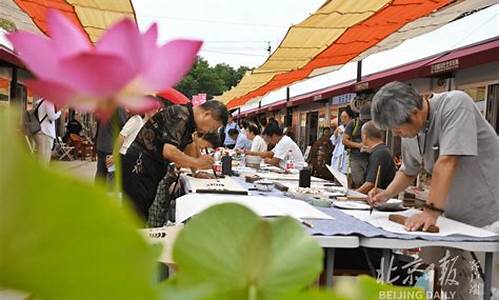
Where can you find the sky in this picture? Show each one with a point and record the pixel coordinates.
(235, 32)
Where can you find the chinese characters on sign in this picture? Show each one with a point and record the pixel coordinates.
(343, 99)
(445, 66)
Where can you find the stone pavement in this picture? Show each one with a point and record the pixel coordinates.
(83, 169)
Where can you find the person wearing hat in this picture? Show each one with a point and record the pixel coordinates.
(358, 159)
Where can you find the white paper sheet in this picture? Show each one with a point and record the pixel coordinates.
(446, 226)
(226, 183)
(192, 204)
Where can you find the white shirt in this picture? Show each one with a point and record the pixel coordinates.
(282, 149)
(258, 144)
(48, 125)
(339, 155)
(130, 131)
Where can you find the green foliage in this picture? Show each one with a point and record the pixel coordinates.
(210, 80)
(245, 256)
(61, 239)
(7, 25)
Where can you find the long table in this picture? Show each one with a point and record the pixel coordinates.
(348, 232)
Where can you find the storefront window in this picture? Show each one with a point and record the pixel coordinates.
(477, 93)
(25, 96)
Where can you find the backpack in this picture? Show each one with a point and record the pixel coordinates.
(31, 122)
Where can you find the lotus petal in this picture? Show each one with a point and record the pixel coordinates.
(37, 53)
(140, 104)
(170, 63)
(124, 40)
(54, 92)
(100, 75)
(67, 39)
(148, 43)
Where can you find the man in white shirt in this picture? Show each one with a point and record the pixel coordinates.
(285, 148)
(258, 143)
(47, 116)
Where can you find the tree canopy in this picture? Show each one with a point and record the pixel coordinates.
(210, 80)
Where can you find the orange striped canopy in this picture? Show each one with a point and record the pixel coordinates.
(92, 16)
(341, 31)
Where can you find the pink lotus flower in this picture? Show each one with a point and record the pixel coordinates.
(122, 68)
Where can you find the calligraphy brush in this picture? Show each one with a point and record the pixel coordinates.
(376, 185)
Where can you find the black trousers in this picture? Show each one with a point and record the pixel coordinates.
(141, 176)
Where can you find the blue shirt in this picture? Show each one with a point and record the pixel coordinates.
(228, 140)
(242, 142)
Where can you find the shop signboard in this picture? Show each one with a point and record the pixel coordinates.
(343, 99)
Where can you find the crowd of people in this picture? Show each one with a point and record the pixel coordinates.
(152, 148)
(445, 135)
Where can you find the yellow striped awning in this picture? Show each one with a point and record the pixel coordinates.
(341, 31)
(92, 16)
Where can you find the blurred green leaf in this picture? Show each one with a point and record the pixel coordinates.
(62, 239)
(171, 291)
(323, 294)
(245, 256)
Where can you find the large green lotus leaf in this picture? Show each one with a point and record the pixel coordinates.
(245, 256)
(62, 239)
(296, 257)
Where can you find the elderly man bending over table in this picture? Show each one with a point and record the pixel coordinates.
(448, 137)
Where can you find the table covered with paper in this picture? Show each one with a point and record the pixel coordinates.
(326, 221)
